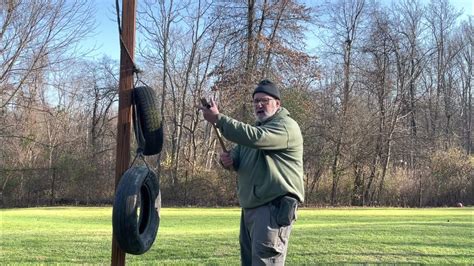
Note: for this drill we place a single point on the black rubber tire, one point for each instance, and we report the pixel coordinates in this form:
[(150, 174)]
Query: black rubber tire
[(149, 119), (136, 210)]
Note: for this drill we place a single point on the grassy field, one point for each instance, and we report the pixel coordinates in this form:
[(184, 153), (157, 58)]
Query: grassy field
[(191, 236)]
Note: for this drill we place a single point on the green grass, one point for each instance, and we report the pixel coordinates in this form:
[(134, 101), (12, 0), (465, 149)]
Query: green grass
[(210, 236)]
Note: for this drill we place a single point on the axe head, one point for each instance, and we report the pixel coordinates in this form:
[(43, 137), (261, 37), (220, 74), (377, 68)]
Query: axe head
[(205, 103)]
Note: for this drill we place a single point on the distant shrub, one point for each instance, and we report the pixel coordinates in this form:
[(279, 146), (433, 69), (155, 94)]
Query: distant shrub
[(449, 179)]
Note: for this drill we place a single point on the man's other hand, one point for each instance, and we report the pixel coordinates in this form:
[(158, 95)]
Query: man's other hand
[(226, 160)]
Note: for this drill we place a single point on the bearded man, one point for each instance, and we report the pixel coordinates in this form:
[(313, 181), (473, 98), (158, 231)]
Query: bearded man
[(268, 158)]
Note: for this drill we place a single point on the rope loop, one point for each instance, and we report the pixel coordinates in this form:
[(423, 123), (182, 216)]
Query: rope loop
[(140, 155)]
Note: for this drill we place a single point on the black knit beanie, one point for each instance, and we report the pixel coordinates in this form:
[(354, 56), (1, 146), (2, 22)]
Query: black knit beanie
[(267, 87)]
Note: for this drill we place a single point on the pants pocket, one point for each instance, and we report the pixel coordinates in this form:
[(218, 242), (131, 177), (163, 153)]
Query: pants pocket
[(273, 244)]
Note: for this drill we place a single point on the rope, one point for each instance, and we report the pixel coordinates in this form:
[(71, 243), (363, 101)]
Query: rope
[(140, 80), (122, 44), (143, 159), (135, 69), (117, 11)]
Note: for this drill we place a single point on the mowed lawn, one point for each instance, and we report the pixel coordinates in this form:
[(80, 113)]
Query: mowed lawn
[(82, 235)]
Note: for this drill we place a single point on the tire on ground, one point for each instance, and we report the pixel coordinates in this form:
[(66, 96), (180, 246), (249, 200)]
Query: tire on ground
[(136, 210), (149, 119)]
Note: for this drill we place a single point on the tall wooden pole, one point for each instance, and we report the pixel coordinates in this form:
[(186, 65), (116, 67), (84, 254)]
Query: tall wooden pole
[(125, 103)]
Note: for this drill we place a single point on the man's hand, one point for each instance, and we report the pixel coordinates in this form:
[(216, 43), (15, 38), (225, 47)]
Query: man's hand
[(226, 160), (210, 114)]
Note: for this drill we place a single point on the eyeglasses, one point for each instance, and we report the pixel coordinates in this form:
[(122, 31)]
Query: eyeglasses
[(263, 101)]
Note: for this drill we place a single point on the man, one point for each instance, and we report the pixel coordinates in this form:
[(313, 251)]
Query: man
[(268, 158)]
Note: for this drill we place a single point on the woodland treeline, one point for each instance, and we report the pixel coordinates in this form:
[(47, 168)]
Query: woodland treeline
[(383, 95)]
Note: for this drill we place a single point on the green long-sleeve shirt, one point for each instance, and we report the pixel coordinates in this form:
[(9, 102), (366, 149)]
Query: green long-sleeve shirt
[(268, 157)]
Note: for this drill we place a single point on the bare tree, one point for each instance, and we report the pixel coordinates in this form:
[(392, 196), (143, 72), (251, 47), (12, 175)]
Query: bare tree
[(441, 19), (343, 23), (38, 34), (465, 61), (400, 61)]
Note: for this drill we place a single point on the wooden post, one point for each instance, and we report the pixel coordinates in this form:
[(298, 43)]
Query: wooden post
[(125, 103)]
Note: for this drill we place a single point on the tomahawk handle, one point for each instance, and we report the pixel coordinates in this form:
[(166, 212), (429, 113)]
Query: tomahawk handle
[(206, 104)]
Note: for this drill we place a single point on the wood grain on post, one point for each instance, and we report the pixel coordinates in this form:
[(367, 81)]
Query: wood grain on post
[(125, 103)]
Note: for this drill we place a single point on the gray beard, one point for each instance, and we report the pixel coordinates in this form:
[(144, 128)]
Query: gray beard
[(265, 118)]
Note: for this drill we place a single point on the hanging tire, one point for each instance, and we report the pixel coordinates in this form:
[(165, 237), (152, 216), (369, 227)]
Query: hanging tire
[(136, 210), (148, 124)]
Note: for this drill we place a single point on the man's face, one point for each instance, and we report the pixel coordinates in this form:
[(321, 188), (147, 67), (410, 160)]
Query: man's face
[(264, 106)]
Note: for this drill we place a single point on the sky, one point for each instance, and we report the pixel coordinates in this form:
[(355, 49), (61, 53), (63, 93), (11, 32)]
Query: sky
[(105, 38)]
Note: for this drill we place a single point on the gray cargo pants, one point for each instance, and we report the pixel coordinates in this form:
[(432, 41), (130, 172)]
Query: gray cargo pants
[(262, 240)]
